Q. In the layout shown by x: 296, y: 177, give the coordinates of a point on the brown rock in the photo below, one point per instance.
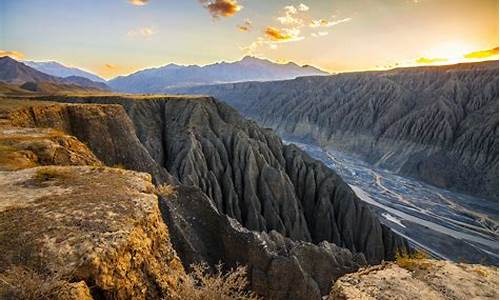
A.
x: 92, y: 224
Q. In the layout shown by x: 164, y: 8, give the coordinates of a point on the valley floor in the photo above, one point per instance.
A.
x: 446, y: 224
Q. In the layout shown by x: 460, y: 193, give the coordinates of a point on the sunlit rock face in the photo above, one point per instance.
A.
x: 93, y: 232
x: 419, y: 279
x: 436, y: 124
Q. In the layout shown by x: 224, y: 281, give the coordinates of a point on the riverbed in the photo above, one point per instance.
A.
x: 446, y: 224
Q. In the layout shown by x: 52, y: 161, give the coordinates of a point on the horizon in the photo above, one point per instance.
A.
x: 345, y: 36
x: 274, y: 62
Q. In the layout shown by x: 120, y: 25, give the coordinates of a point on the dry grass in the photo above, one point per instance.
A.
x: 22, y: 283
x: 203, y: 285
x: 481, y: 271
x: 165, y: 190
x: 413, y: 261
x: 49, y: 173
x: 26, y: 284
x: 120, y: 166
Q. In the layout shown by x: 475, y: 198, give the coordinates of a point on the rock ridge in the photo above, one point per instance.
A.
x: 437, y: 124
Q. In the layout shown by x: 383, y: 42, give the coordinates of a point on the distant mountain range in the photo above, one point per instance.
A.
x: 17, y: 73
x: 56, y: 69
x: 155, y: 80
x: 158, y: 80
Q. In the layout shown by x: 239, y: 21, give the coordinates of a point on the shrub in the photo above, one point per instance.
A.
x: 49, y: 173
x: 165, y: 190
x: 203, y: 285
x: 413, y: 260
x: 26, y: 284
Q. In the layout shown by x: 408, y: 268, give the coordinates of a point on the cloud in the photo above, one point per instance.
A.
x: 138, y: 2
x: 320, y: 33
x: 290, y: 15
x: 110, y: 66
x: 282, y: 35
x: 110, y: 70
x: 144, y: 32
x: 13, y: 54
x: 302, y: 7
x: 327, y: 23
x: 482, y: 53
x: 246, y: 26
x: 426, y: 60
x: 221, y: 8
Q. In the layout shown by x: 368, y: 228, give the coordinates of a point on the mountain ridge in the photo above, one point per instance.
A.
x: 57, y: 69
x: 156, y: 80
x: 18, y: 73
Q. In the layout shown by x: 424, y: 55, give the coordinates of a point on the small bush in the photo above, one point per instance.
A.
x: 22, y: 283
x: 49, y: 173
x: 203, y: 285
x: 120, y: 166
x: 165, y: 190
x: 413, y: 260
x: 481, y: 271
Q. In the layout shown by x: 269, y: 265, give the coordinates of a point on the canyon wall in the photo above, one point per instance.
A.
x: 436, y: 124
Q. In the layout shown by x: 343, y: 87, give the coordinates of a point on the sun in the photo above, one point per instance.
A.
x: 452, y: 51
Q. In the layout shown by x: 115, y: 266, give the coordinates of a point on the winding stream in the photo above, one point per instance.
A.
x: 446, y: 224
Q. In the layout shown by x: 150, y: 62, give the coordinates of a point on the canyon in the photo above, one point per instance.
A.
x: 438, y: 124
x: 241, y: 195
x: 126, y: 193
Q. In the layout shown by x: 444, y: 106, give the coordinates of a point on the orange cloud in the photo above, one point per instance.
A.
x: 283, y: 35
x: 482, y: 53
x: 275, y: 34
x: 426, y: 60
x: 138, y: 2
x: 13, y: 54
x: 221, y: 8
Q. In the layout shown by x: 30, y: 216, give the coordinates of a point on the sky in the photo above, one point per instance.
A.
x: 116, y: 37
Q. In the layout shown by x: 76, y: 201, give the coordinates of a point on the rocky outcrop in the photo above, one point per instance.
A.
x: 22, y: 148
x: 419, y: 279
x: 300, y: 219
x: 105, y: 129
x: 437, y: 124
x: 96, y: 232
x: 278, y: 267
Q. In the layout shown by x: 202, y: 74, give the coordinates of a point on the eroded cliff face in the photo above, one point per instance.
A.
x: 278, y: 267
x: 231, y: 171
x: 250, y: 175
x: 437, y: 124
x: 105, y: 129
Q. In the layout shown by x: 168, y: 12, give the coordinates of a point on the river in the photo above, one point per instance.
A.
x: 447, y: 225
